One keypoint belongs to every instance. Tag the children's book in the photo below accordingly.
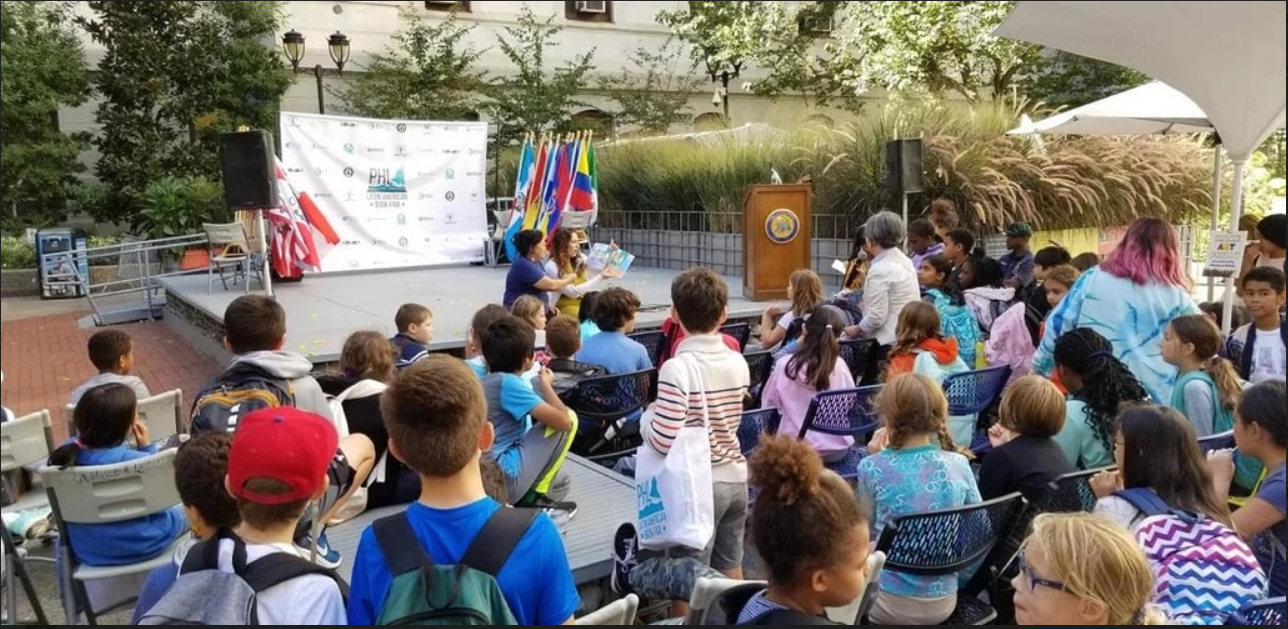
(603, 256)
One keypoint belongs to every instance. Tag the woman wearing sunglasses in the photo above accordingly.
(1082, 569)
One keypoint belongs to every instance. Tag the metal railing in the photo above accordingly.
(135, 294)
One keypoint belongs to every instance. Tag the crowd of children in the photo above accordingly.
(462, 441)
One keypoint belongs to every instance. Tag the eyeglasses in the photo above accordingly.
(1035, 581)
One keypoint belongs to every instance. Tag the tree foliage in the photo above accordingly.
(653, 93)
(42, 68)
(533, 97)
(773, 38)
(174, 75)
(426, 74)
(1063, 79)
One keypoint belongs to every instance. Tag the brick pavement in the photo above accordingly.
(44, 359)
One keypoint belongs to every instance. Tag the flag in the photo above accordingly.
(563, 190)
(301, 234)
(532, 199)
(522, 185)
(583, 187)
(558, 164)
(594, 177)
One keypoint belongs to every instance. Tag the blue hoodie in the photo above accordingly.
(128, 541)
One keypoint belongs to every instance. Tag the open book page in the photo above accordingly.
(603, 255)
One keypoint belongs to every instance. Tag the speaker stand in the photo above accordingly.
(903, 196)
(261, 232)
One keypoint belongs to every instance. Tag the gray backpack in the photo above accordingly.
(202, 594)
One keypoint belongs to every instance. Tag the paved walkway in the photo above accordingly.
(44, 359)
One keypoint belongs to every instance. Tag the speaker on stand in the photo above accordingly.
(249, 169)
(904, 171)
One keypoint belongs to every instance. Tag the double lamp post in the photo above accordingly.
(337, 46)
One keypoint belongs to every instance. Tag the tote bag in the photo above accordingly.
(674, 492)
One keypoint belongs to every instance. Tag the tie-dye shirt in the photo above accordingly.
(1131, 316)
(915, 480)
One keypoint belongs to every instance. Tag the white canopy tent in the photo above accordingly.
(1228, 57)
(1155, 108)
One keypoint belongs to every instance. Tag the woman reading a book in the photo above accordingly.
(567, 260)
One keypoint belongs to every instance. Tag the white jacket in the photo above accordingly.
(891, 285)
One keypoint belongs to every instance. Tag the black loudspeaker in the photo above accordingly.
(249, 169)
(903, 166)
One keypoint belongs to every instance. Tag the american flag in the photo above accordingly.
(301, 234)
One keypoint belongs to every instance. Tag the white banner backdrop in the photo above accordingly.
(398, 193)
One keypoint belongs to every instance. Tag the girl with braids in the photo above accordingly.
(913, 468)
(815, 366)
(105, 418)
(1156, 449)
(810, 532)
(1099, 386)
(1207, 386)
(1080, 569)
(566, 260)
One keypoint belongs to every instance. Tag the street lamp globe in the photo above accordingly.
(293, 47)
(338, 45)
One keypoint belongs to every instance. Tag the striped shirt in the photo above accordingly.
(704, 369)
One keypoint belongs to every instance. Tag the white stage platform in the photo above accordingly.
(323, 310)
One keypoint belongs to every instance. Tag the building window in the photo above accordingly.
(460, 7)
(588, 11)
(594, 120)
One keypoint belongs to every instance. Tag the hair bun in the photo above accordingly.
(786, 470)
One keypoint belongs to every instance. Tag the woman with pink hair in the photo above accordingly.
(1129, 299)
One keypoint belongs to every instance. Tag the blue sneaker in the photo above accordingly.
(327, 557)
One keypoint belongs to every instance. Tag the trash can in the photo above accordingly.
(62, 276)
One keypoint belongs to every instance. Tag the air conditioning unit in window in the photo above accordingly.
(586, 6)
(817, 24)
(439, 3)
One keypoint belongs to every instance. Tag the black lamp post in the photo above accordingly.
(337, 45)
(721, 71)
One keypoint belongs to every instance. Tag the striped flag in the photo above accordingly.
(582, 196)
(522, 187)
(301, 234)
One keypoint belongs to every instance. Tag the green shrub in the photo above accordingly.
(994, 178)
(17, 253)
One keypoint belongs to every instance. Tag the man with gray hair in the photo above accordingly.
(891, 284)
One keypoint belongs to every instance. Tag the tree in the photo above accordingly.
(938, 46)
(654, 94)
(534, 98)
(776, 38)
(426, 74)
(174, 75)
(1063, 79)
(42, 68)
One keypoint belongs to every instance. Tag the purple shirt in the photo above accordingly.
(522, 280)
(934, 250)
(792, 397)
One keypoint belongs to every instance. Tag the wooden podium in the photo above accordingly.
(775, 238)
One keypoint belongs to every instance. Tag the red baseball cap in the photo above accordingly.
(282, 443)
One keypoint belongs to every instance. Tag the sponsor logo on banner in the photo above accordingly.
(384, 186)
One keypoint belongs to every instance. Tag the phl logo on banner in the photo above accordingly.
(400, 194)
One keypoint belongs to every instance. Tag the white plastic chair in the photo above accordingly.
(162, 414)
(103, 494)
(229, 247)
(705, 592)
(854, 612)
(620, 612)
(23, 441)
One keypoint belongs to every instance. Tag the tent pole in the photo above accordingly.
(1236, 209)
(1216, 207)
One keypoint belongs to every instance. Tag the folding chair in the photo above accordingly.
(847, 413)
(761, 366)
(1265, 612)
(858, 355)
(229, 247)
(754, 425)
(103, 494)
(23, 441)
(740, 332)
(163, 414)
(620, 612)
(653, 341)
(605, 407)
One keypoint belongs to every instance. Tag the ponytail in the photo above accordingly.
(65, 455)
(1202, 332)
(819, 350)
(1229, 386)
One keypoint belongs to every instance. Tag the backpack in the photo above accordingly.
(202, 594)
(242, 389)
(357, 502)
(425, 593)
(1204, 571)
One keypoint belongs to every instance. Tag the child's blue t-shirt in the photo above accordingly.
(128, 541)
(536, 580)
(915, 480)
(615, 352)
(510, 402)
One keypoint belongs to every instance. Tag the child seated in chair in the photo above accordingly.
(531, 453)
(105, 418)
(563, 341)
(112, 352)
(614, 314)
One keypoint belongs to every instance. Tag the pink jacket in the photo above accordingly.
(792, 397)
(1010, 343)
